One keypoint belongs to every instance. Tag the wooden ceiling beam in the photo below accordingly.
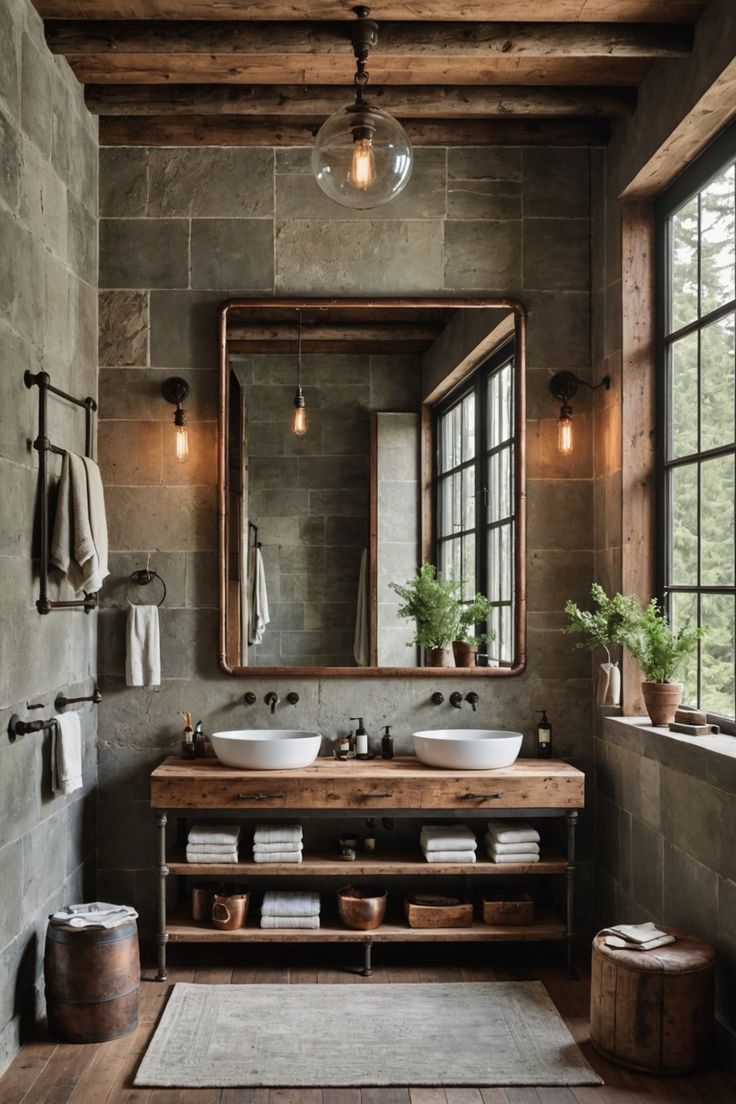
(243, 130)
(543, 11)
(295, 101)
(468, 42)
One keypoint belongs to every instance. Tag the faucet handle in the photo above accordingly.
(456, 699)
(472, 698)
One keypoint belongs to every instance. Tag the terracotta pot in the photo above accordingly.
(361, 908)
(662, 700)
(465, 654)
(439, 657)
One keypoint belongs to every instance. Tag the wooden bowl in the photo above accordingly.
(362, 908)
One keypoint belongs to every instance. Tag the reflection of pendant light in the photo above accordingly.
(299, 419)
(362, 156)
(176, 391)
(563, 386)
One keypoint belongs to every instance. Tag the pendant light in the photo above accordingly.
(362, 156)
(299, 417)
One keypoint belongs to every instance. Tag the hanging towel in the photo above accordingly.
(290, 834)
(290, 921)
(450, 856)
(283, 903)
(259, 616)
(447, 837)
(214, 834)
(522, 832)
(143, 659)
(79, 541)
(66, 753)
(361, 639)
(95, 914)
(277, 857)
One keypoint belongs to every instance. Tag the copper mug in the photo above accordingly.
(203, 894)
(230, 910)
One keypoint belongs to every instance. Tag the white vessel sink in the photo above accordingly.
(267, 748)
(467, 748)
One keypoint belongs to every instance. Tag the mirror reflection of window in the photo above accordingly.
(475, 501)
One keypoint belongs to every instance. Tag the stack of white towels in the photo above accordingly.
(278, 843)
(213, 843)
(512, 842)
(448, 843)
(281, 909)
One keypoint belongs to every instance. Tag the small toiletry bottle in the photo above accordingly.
(343, 746)
(544, 737)
(387, 743)
(200, 741)
(361, 739)
(187, 741)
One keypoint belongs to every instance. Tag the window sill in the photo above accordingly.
(710, 758)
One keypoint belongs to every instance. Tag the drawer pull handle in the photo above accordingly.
(387, 794)
(259, 796)
(483, 796)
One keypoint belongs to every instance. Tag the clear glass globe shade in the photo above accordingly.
(362, 157)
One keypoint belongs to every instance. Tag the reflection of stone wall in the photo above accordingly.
(398, 509)
(48, 321)
(309, 496)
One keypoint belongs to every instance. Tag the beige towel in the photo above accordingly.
(66, 753)
(79, 541)
(143, 653)
(259, 615)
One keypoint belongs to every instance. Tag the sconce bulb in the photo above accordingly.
(363, 166)
(299, 418)
(564, 431)
(182, 443)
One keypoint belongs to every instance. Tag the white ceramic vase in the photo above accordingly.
(608, 690)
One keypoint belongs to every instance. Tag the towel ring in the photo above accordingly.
(142, 578)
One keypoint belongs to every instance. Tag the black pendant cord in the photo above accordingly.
(364, 34)
(299, 355)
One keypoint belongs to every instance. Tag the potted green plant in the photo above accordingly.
(433, 604)
(465, 644)
(661, 654)
(604, 627)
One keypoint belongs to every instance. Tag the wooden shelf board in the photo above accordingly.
(384, 864)
(182, 929)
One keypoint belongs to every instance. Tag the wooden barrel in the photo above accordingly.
(92, 981)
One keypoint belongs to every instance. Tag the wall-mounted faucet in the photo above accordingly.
(456, 700)
(472, 699)
(272, 700)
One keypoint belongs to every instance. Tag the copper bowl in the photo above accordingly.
(362, 908)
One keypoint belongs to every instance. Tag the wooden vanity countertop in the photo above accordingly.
(402, 782)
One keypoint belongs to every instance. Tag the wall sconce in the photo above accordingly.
(299, 418)
(176, 391)
(563, 386)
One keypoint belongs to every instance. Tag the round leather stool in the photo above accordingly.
(653, 1010)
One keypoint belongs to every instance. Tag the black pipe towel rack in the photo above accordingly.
(44, 446)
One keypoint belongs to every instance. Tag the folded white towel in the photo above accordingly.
(290, 921)
(651, 945)
(66, 753)
(143, 651)
(268, 848)
(94, 914)
(526, 857)
(520, 833)
(635, 933)
(510, 848)
(211, 856)
(284, 903)
(79, 542)
(277, 857)
(278, 833)
(212, 849)
(214, 833)
(448, 838)
(450, 856)
(259, 615)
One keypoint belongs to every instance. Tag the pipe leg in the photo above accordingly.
(572, 820)
(162, 936)
(367, 971)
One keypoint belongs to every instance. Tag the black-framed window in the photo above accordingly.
(475, 523)
(696, 287)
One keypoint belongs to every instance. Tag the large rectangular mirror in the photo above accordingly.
(372, 487)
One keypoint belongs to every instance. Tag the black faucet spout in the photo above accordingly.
(272, 700)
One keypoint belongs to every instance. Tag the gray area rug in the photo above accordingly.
(500, 1033)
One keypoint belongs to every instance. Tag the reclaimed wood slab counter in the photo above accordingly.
(529, 787)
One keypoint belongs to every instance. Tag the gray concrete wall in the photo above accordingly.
(184, 229)
(48, 321)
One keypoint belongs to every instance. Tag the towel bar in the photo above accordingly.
(62, 701)
(17, 727)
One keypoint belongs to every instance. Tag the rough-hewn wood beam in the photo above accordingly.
(238, 130)
(576, 11)
(438, 102)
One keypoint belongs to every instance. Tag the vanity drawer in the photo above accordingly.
(356, 793)
(503, 793)
(226, 793)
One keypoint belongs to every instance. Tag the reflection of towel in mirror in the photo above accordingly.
(66, 753)
(79, 542)
(259, 615)
(143, 653)
(361, 640)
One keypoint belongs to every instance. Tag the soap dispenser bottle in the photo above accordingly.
(544, 737)
(361, 740)
(387, 743)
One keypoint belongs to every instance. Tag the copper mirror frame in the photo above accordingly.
(518, 313)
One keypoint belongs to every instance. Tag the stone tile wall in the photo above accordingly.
(183, 230)
(48, 321)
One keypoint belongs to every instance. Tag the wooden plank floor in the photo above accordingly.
(48, 1073)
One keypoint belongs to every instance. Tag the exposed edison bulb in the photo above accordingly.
(363, 167)
(299, 418)
(182, 443)
(564, 431)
